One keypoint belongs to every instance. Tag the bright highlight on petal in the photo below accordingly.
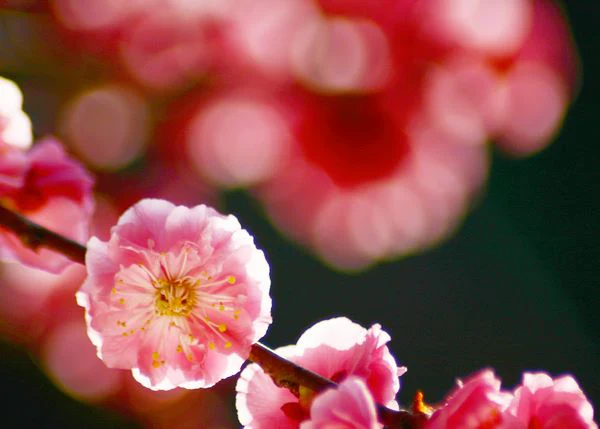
(15, 125)
(177, 294)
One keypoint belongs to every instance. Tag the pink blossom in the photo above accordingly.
(178, 295)
(56, 192)
(545, 403)
(336, 349)
(350, 406)
(475, 403)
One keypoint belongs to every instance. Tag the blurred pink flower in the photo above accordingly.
(387, 116)
(539, 83)
(177, 294)
(336, 349)
(161, 43)
(363, 128)
(545, 403)
(56, 192)
(475, 403)
(359, 189)
(350, 406)
(361, 174)
(519, 71)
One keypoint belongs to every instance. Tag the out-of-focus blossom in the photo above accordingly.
(362, 127)
(177, 294)
(545, 403)
(381, 104)
(107, 127)
(539, 84)
(56, 193)
(350, 406)
(376, 194)
(15, 125)
(367, 177)
(161, 43)
(475, 403)
(336, 349)
(527, 71)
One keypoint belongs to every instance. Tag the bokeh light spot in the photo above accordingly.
(107, 127)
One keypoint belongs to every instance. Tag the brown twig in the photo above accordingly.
(35, 236)
(283, 372)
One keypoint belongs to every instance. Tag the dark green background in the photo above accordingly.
(515, 289)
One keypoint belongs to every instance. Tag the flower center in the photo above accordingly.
(175, 297)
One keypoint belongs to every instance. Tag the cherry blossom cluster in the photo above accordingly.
(363, 129)
(539, 402)
(358, 359)
(181, 295)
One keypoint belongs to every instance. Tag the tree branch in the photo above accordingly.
(283, 372)
(35, 236)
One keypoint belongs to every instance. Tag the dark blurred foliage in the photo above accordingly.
(515, 289)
